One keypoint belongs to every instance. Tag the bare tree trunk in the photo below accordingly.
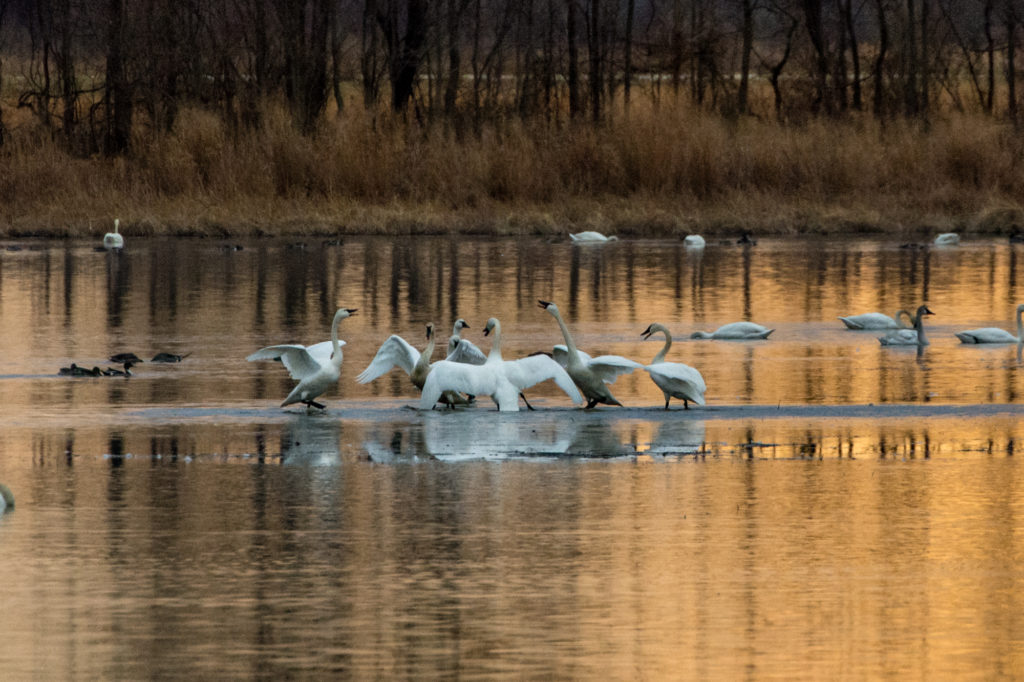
(878, 68)
(990, 54)
(1011, 64)
(596, 65)
(627, 54)
(118, 95)
(575, 102)
(851, 29)
(742, 103)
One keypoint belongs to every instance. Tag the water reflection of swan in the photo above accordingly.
(678, 437)
(909, 337)
(312, 367)
(675, 379)
(994, 334)
(592, 237)
(447, 437)
(6, 498)
(591, 375)
(114, 240)
(877, 321)
(736, 331)
(311, 440)
(503, 380)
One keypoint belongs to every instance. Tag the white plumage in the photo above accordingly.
(114, 240)
(994, 334)
(876, 320)
(736, 331)
(675, 379)
(909, 337)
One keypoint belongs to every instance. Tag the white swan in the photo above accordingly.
(734, 331)
(6, 498)
(114, 240)
(501, 379)
(909, 337)
(877, 321)
(397, 352)
(316, 367)
(995, 334)
(675, 379)
(694, 241)
(592, 236)
(591, 375)
(947, 239)
(473, 355)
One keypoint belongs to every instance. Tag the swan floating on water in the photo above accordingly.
(592, 237)
(316, 367)
(675, 379)
(114, 240)
(501, 379)
(877, 321)
(994, 334)
(736, 331)
(909, 337)
(6, 498)
(947, 239)
(694, 241)
(591, 375)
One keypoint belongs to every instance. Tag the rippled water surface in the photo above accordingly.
(838, 509)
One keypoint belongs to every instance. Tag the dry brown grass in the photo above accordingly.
(659, 171)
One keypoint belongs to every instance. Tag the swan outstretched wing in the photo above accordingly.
(611, 367)
(532, 370)
(296, 359)
(321, 352)
(467, 352)
(394, 351)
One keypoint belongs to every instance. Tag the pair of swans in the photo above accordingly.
(995, 334)
(593, 375)
(397, 352)
(909, 337)
(114, 240)
(316, 367)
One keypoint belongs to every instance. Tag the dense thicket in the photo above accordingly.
(93, 73)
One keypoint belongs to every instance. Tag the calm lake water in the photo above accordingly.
(837, 510)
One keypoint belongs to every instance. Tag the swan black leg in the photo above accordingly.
(313, 403)
(528, 405)
(590, 404)
(666, 403)
(686, 404)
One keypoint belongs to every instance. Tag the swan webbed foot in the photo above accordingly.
(528, 405)
(313, 403)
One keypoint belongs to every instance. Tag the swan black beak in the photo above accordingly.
(646, 333)
(927, 311)
(543, 304)
(430, 331)
(351, 311)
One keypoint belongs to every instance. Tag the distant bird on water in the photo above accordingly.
(114, 240)
(6, 498)
(590, 236)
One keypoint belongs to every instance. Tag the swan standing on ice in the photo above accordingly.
(736, 331)
(592, 236)
(675, 379)
(909, 337)
(6, 498)
(994, 334)
(947, 239)
(501, 379)
(877, 321)
(397, 352)
(693, 241)
(114, 240)
(591, 375)
(473, 355)
(316, 367)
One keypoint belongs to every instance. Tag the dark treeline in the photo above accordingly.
(93, 73)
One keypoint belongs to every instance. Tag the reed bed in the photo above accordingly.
(659, 171)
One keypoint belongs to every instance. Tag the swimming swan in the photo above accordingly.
(114, 240)
(947, 239)
(675, 379)
(694, 241)
(6, 498)
(501, 379)
(592, 236)
(591, 375)
(909, 337)
(475, 356)
(397, 352)
(994, 334)
(877, 321)
(736, 330)
(314, 368)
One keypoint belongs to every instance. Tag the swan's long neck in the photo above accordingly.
(919, 326)
(574, 358)
(1020, 323)
(427, 353)
(495, 354)
(660, 357)
(335, 346)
